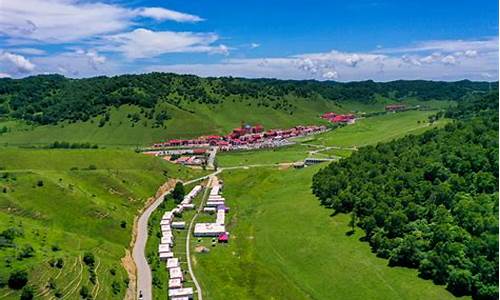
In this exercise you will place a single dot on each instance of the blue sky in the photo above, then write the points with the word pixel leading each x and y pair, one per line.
pixel 324 40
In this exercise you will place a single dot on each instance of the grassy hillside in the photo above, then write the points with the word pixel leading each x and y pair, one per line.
pixel 366 131
pixel 191 121
pixel 65 203
pixel 284 245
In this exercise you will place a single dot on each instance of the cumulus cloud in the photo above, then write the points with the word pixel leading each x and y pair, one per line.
pixel 449 60
pixel 254 45
pixel 4 75
pixel 59 21
pixel 330 75
pixel 159 13
pixel 18 62
pixel 143 43
pixel 452 64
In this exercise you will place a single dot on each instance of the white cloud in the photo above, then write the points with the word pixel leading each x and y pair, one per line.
pixel 29 51
pixel 331 75
pixel 18 62
pixel 483 45
pixel 4 75
pixel 60 21
pixel 254 45
pixel 456 64
pixel 449 60
pixel 159 13
pixel 144 43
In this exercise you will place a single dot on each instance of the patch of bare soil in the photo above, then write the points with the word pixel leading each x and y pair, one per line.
pixel 201 249
pixel 129 265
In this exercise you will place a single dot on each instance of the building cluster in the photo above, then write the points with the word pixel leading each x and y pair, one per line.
pixel 339 118
pixel 215 204
pixel 395 107
pixel 167 223
pixel 245 137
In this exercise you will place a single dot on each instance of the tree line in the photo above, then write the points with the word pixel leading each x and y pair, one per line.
pixel 49 99
pixel 429 201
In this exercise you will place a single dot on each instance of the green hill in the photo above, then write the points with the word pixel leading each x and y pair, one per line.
pixel 141 109
pixel 57 205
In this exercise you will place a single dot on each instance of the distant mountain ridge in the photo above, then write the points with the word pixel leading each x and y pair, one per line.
pixel 49 99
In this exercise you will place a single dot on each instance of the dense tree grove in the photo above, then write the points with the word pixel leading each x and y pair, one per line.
pixel 48 99
pixel 429 201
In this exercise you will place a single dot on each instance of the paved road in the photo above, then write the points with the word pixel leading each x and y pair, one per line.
pixel 144 279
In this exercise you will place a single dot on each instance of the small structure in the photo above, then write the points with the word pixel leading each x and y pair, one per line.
pixel 221 214
pixel 168 240
pixel 184 292
pixel 163 248
pixel 298 165
pixel 166 255
pixel 210 209
pixel 165 222
pixel 395 107
pixel 214 203
pixel 179 225
pixel 188 206
pixel 165 228
pixel 208 229
pixel 223 238
pixel 175 273
pixel 172 263
pixel 167 234
pixel 175 283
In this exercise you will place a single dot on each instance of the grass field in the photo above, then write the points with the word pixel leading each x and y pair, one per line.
pixel 285 246
pixel 366 131
pixel 67 202
pixel 191 121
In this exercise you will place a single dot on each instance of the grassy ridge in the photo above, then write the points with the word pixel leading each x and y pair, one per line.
pixel 87 202
pixel 285 246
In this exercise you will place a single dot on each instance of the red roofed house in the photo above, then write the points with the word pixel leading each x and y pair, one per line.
pixel 395 107
pixel 223 237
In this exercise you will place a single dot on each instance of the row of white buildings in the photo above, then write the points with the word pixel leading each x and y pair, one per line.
pixel 214 204
pixel 176 290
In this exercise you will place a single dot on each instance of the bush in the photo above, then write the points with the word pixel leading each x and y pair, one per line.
pixel 85 292
pixel 27 293
pixel 89 259
pixel 115 286
pixel 18 279
pixel 39 183
pixel 26 252
pixel 123 224
pixel 178 192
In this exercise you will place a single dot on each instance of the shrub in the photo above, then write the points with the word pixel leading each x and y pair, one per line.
pixel 18 279
pixel 89 259
pixel 85 292
pixel 39 183
pixel 27 293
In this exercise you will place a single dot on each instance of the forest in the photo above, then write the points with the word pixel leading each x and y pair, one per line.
pixel 49 99
pixel 429 201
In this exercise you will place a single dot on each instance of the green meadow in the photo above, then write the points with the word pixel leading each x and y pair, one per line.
pixel 65 203
pixel 284 245
pixel 367 131
pixel 191 121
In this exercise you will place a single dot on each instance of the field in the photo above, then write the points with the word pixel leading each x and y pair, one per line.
pixel 208 119
pixel 68 202
pixel 285 246
pixel 366 131
pixel 192 120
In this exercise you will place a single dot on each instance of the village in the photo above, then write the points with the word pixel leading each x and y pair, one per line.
pixel 215 204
